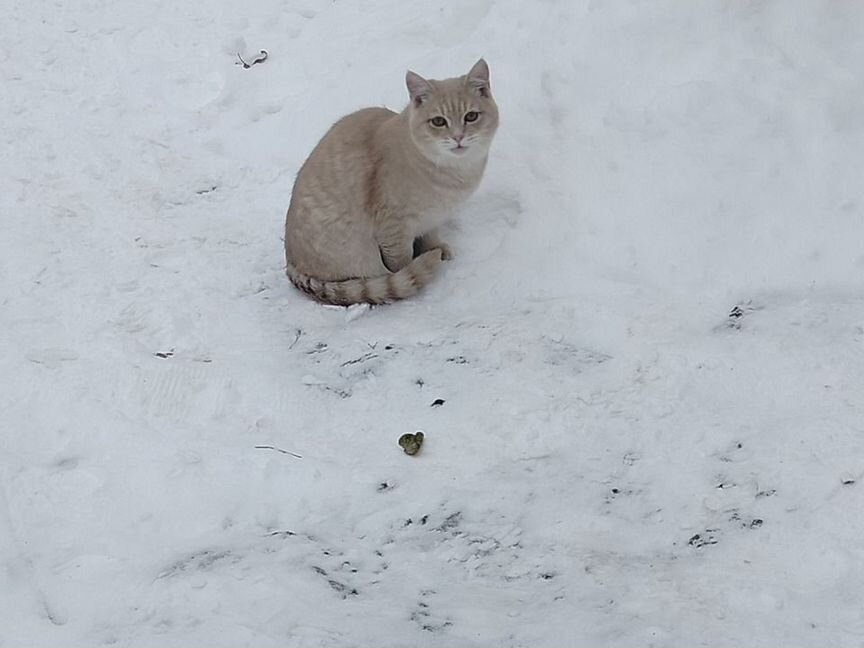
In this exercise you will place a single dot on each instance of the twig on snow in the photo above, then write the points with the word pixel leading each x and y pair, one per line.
pixel 258 59
pixel 297 334
pixel 362 358
pixel 270 447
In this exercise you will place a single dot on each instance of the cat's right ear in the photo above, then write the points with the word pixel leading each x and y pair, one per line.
pixel 478 77
pixel 418 88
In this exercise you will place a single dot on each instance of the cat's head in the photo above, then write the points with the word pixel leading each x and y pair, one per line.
pixel 452 120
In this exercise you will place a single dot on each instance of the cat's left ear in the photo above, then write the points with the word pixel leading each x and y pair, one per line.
pixel 418 87
pixel 478 78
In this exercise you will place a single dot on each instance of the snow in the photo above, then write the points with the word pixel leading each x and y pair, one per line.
pixel 195 454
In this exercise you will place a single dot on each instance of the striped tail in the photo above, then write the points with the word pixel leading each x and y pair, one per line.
pixel 370 290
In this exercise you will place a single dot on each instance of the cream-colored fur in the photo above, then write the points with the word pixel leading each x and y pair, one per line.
pixel 361 226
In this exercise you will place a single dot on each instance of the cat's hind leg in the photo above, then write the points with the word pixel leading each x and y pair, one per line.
pixel 397 247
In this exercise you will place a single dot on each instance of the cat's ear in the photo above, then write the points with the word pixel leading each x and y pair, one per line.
pixel 478 78
pixel 418 87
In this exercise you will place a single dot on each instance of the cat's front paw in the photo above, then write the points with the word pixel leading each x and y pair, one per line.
pixel 446 251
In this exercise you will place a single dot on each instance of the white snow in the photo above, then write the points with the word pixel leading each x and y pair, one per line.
pixel 618 461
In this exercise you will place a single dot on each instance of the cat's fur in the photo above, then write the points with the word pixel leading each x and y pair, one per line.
pixel 361 226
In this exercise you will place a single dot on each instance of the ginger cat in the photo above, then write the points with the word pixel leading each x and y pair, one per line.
pixel 361 225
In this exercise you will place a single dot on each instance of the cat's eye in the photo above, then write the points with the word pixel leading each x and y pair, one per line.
pixel 438 122
pixel 471 116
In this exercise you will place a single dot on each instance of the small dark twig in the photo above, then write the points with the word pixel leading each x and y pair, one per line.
pixel 270 447
pixel 297 334
pixel 362 358
pixel 258 59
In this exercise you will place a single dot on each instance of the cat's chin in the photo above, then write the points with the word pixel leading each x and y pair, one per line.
pixel 461 155
pixel 454 156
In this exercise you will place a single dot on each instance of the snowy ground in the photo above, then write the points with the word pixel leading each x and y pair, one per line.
pixel 650 347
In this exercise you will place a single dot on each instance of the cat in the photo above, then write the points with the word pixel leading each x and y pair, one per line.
pixel 361 224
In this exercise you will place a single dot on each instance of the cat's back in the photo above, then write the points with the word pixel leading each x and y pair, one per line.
pixel 359 127
pixel 349 141
pixel 326 230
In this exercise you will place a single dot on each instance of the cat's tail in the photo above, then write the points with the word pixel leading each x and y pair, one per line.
pixel 370 290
